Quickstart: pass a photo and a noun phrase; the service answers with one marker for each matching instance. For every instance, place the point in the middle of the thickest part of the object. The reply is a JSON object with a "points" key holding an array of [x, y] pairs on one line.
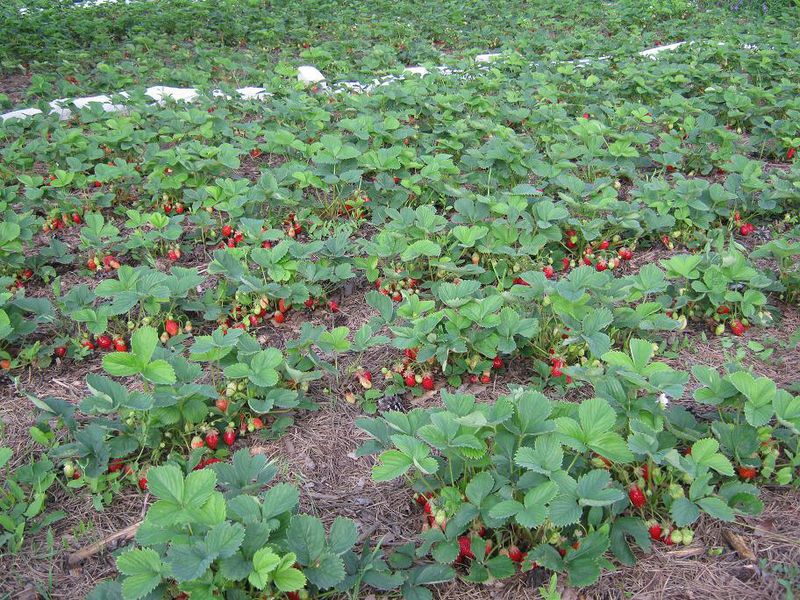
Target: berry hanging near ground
{"points": [[636, 496]]}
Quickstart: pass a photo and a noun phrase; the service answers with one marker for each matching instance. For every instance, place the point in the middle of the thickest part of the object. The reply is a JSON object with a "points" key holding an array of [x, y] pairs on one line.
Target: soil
{"points": [[15, 85]]}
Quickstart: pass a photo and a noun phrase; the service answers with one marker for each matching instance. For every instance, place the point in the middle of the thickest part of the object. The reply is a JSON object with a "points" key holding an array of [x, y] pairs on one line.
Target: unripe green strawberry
{"points": [[676, 536], [676, 491], [687, 536]]}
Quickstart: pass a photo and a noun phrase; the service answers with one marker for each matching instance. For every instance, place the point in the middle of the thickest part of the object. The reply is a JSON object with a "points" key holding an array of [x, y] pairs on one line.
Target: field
{"points": [[522, 322]]}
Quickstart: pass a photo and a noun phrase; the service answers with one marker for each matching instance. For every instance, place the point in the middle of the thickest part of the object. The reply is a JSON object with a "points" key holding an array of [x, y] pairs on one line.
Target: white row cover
{"points": [[306, 74]]}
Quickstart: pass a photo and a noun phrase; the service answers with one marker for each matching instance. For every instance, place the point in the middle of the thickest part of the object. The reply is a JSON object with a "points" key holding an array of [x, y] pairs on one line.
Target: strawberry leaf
{"points": [[143, 571]]}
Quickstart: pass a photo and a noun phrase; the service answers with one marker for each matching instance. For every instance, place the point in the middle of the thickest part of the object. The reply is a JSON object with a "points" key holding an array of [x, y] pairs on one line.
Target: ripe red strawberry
{"points": [[723, 310], [464, 550], [746, 229], [410, 353], [625, 253], [549, 272], [601, 265], [253, 320], [604, 245], [212, 439], [279, 317], [397, 296], [747, 473], [88, 344], [115, 465], [645, 471], [266, 244], [497, 363], [637, 496], [427, 383], [91, 264], [565, 262], [255, 152], [143, 483], [790, 154], [585, 115], [587, 261], [76, 218], [655, 531], [222, 404], [668, 538], [171, 327], [396, 180], [227, 230], [309, 303], [105, 342], [179, 208], [410, 380], [120, 345], [485, 378], [521, 281], [257, 423], [556, 371], [737, 328], [229, 436], [197, 442], [515, 554], [293, 596], [61, 351], [333, 306]]}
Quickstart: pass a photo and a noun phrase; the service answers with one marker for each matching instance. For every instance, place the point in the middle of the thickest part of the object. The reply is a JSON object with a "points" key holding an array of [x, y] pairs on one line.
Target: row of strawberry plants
{"points": [[91, 49], [719, 285], [527, 483], [198, 541]]}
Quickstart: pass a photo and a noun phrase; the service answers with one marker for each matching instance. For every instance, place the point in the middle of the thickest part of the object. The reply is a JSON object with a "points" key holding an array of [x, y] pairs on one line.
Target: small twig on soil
{"points": [[144, 506], [111, 542], [686, 552], [738, 544]]}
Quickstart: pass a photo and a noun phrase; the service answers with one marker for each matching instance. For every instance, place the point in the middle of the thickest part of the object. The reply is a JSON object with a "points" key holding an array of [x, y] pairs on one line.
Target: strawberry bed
{"points": [[531, 328]]}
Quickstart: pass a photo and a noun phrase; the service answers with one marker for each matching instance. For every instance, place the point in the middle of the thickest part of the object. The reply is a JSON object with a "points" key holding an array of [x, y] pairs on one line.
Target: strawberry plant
{"points": [[23, 498], [556, 485], [198, 540], [720, 287]]}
